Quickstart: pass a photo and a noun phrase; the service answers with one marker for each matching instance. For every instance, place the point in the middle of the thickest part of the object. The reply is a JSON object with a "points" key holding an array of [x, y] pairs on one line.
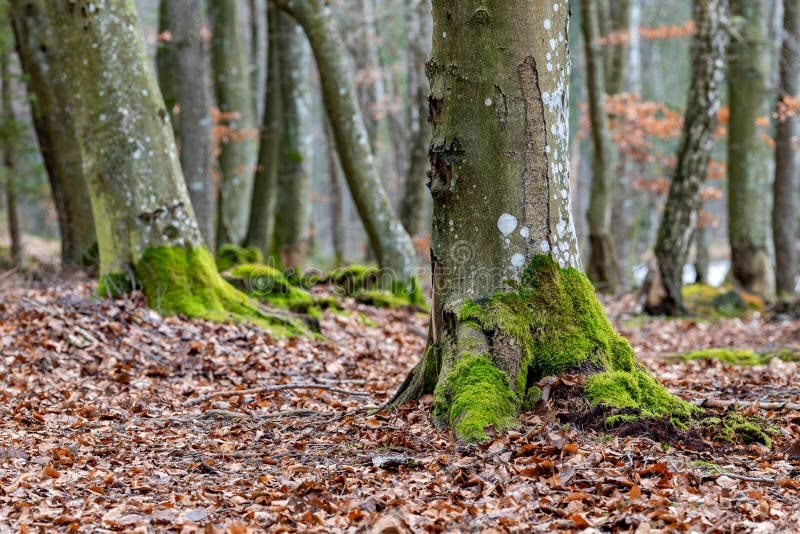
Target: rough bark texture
{"points": [[291, 225], [679, 220], [8, 121], [39, 53], [414, 205], [786, 211], [603, 266], [391, 243], [261, 228], [193, 95], [238, 148], [749, 176]]}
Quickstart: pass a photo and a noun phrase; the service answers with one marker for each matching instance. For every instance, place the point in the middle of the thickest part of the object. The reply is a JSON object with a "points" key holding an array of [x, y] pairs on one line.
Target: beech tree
{"points": [[510, 305], [662, 289], [391, 243], [39, 53], [149, 237], [749, 156], [786, 209], [7, 128]]}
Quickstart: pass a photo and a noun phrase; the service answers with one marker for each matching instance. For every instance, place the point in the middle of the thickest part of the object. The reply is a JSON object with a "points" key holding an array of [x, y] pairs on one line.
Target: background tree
{"points": [[237, 121], [509, 306], [391, 243], [603, 266], [39, 53], [786, 209], [8, 128], [749, 157], [662, 291]]}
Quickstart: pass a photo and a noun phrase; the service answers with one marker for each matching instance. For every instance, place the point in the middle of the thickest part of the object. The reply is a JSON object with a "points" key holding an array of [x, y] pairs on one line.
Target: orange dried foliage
{"points": [[623, 37]]}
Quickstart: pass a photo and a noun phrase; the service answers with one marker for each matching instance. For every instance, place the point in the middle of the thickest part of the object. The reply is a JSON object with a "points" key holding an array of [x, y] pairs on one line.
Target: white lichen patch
{"points": [[518, 260], [507, 223]]}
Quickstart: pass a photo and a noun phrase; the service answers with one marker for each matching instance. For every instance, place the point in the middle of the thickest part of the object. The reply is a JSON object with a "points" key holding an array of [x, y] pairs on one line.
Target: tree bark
{"points": [[39, 52], [291, 225], [618, 53], [751, 106], [415, 201], [7, 139], [337, 202], [259, 49], [786, 211], [238, 146], [603, 267], [167, 63], [261, 228], [391, 243], [679, 220], [193, 96]]}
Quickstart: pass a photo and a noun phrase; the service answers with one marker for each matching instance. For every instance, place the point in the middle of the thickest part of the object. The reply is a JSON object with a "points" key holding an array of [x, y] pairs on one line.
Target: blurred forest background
{"points": [[645, 46]]}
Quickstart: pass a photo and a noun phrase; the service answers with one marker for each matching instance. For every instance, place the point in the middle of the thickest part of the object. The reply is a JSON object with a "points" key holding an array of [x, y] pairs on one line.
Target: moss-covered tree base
{"points": [[487, 366], [185, 281]]}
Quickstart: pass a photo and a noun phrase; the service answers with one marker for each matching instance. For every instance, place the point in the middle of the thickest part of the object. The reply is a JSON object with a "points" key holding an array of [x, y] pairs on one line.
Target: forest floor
{"points": [[103, 427]]}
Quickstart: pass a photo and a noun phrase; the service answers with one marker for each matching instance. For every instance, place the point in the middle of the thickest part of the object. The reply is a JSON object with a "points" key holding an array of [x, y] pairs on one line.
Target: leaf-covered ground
{"points": [[103, 428]]}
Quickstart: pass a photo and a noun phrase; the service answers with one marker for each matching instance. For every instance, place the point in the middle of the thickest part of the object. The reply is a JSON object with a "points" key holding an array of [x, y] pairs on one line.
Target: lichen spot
{"points": [[546, 24], [488, 102], [506, 223], [517, 260], [555, 7], [444, 35], [524, 232], [545, 246]]}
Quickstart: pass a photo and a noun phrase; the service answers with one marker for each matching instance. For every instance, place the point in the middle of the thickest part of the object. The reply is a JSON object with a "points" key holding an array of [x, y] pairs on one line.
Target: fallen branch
{"points": [[252, 391], [769, 405], [746, 478]]}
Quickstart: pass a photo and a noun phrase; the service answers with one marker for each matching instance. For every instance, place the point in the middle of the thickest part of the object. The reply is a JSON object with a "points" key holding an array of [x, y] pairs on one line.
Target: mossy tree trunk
{"points": [[415, 203], [149, 237], [39, 53], [7, 129], [749, 155], [509, 304], [662, 290], [391, 243], [786, 211], [603, 266], [291, 225], [261, 228], [188, 80], [238, 149]]}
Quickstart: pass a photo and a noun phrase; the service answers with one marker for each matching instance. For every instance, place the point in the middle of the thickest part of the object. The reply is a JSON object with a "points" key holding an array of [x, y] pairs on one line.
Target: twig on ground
{"points": [[723, 404], [746, 478], [279, 387]]}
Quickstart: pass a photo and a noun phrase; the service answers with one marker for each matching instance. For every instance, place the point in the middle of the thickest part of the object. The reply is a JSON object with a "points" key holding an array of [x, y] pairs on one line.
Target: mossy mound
{"points": [[370, 285], [708, 301], [741, 356], [185, 281], [551, 323], [230, 255]]}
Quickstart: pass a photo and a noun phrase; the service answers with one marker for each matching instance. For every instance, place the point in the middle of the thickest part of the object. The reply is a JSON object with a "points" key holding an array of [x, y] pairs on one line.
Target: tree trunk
{"points": [[337, 202], [149, 237], [603, 263], [167, 62], [419, 35], [751, 106], [786, 211], [701, 257], [261, 228], [39, 51], [194, 98], [259, 49], [634, 76], [509, 306], [7, 139], [291, 225], [238, 143], [618, 54], [390, 241], [679, 220]]}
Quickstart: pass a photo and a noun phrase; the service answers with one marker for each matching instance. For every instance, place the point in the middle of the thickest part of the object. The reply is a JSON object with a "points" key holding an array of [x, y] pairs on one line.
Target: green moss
{"points": [[180, 280], [370, 285], [268, 284], [474, 395], [621, 418], [354, 278], [380, 299], [725, 301], [115, 284], [748, 431], [741, 356], [230, 255]]}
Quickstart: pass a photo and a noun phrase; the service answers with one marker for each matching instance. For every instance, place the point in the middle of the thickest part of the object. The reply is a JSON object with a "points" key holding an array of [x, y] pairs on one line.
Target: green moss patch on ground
{"points": [[230, 255], [714, 302], [741, 356]]}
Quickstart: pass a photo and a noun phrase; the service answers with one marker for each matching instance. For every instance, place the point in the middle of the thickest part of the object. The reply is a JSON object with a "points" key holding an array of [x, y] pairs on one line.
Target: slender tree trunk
{"points": [[701, 257], [786, 211], [259, 49], [618, 54], [679, 221], [390, 241], [372, 89], [261, 228], [39, 51], [238, 145], [603, 267], [291, 226], [194, 98], [419, 35], [634, 80], [167, 62], [749, 176], [149, 237], [9, 120], [337, 202]]}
